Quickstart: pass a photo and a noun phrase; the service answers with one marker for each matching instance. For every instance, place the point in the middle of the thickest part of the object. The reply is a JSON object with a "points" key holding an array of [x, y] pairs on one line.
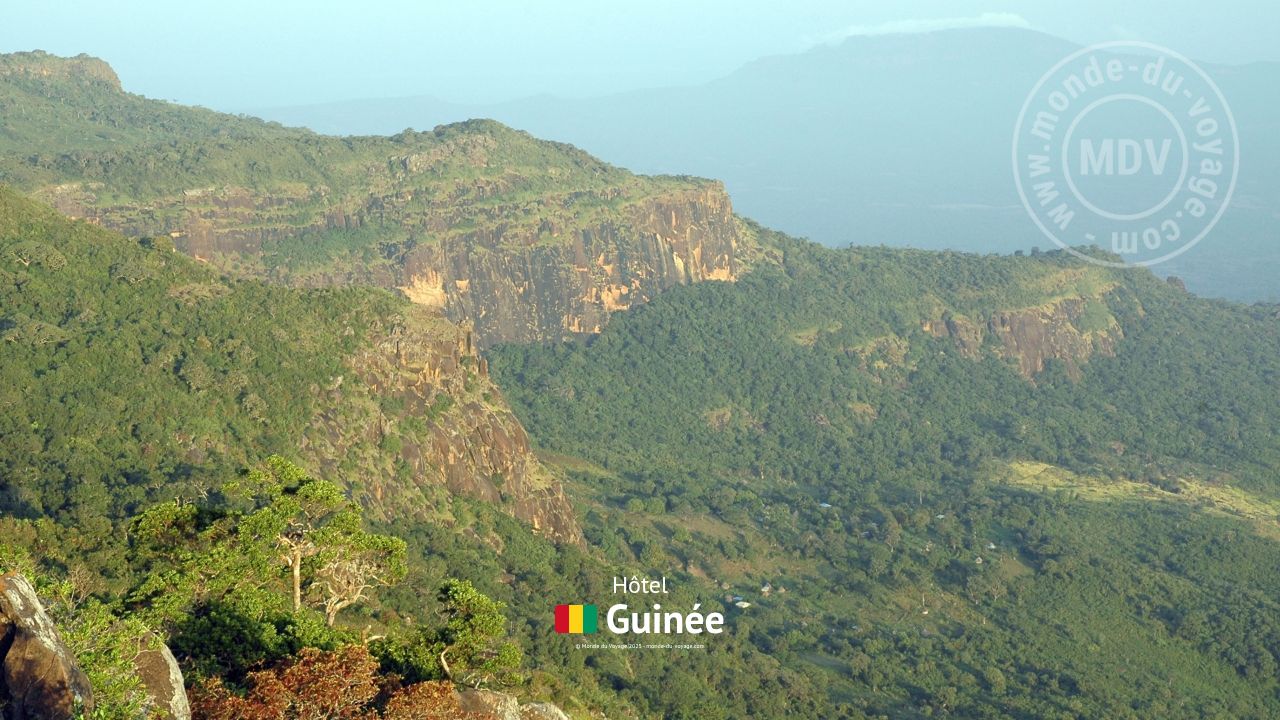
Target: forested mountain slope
{"points": [[131, 374], [993, 486]]}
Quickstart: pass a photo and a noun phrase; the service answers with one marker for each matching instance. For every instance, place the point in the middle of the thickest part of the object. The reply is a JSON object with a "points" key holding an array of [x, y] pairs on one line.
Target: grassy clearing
{"points": [[1261, 512]]}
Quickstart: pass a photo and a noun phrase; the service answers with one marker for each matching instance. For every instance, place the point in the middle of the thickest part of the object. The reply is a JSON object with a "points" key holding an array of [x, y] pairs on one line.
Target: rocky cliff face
{"points": [[526, 239], [1069, 330], [42, 66], [518, 286], [420, 405], [548, 275]]}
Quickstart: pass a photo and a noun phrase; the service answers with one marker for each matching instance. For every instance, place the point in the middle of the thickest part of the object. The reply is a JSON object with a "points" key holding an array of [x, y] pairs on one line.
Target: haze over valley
{"points": [[867, 142]]}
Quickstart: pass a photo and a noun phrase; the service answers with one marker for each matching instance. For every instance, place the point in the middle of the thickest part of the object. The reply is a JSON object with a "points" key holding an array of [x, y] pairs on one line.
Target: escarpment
{"points": [[419, 413], [526, 239], [563, 277], [41, 67], [520, 270]]}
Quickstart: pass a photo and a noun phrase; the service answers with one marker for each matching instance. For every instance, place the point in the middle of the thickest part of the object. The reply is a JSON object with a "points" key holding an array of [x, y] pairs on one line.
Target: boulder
{"points": [[489, 705], [41, 680], [541, 711], [158, 670]]}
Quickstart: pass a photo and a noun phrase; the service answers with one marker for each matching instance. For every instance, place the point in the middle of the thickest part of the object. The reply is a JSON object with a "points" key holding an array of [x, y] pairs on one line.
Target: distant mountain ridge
{"points": [[895, 139], [525, 239]]}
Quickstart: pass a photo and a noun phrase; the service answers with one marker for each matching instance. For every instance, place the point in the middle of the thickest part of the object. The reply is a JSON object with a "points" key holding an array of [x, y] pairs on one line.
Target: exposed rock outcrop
{"points": [[542, 711], [162, 678], [490, 705], [43, 66], [1055, 332], [967, 335], [443, 423], [517, 287], [41, 679], [1068, 330], [493, 705], [458, 219]]}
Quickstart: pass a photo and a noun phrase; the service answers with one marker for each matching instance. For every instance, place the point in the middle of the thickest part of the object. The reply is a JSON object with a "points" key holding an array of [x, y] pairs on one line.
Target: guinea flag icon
{"points": [[576, 619]]}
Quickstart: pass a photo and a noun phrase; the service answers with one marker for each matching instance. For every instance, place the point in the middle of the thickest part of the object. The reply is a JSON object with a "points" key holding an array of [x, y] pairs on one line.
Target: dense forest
{"points": [[957, 538]]}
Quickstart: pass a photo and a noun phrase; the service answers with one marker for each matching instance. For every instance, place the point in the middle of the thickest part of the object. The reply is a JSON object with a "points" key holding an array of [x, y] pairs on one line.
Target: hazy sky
{"points": [[242, 54]]}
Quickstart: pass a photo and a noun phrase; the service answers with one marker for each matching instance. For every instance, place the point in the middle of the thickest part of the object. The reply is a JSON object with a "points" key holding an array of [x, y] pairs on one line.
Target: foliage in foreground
{"points": [[339, 685], [250, 623]]}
